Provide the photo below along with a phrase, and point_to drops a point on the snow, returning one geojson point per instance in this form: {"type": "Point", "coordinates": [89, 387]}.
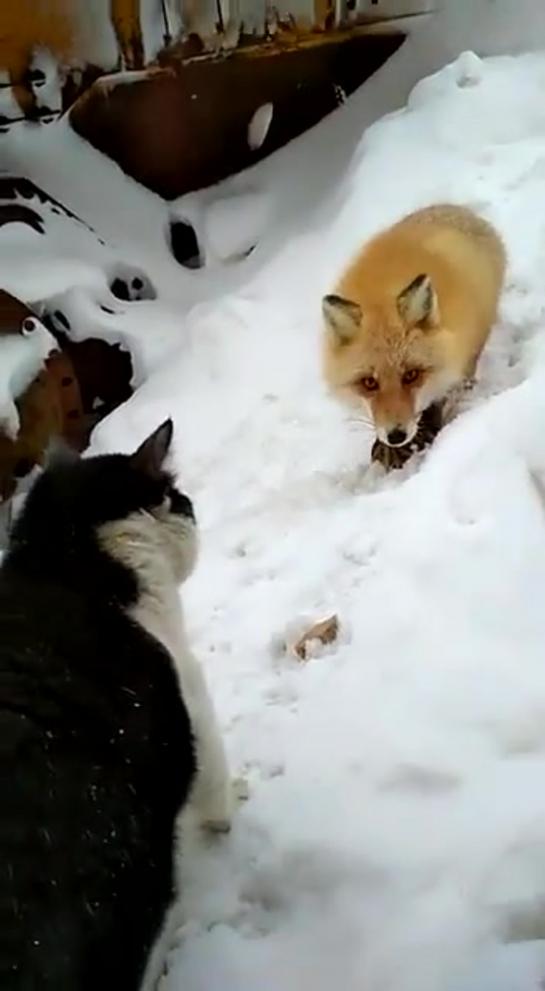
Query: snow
{"type": "Point", "coordinates": [95, 40]}
{"type": "Point", "coordinates": [34, 265]}
{"type": "Point", "coordinates": [394, 839]}
{"type": "Point", "coordinates": [234, 225]}
{"type": "Point", "coordinates": [259, 125]}
{"type": "Point", "coordinates": [511, 968]}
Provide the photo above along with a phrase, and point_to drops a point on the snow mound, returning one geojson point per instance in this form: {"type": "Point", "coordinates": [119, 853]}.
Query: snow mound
{"type": "Point", "coordinates": [233, 225]}
{"type": "Point", "coordinates": [396, 826]}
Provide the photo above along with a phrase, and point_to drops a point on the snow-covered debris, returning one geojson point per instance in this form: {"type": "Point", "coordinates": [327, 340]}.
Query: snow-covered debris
{"type": "Point", "coordinates": [468, 69]}
{"type": "Point", "coordinates": [46, 81]}
{"type": "Point", "coordinates": [21, 358]}
{"type": "Point", "coordinates": [96, 314]}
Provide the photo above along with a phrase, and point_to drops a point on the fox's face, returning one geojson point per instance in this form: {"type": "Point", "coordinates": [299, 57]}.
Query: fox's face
{"type": "Point", "coordinates": [386, 358]}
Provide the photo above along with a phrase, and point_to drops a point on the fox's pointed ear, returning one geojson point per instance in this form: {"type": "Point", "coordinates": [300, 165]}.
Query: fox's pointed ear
{"type": "Point", "coordinates": [150, 456]}
{"type": "Point", "coordinates": [418, 304]}
{"type": "Point", "coordinates": [342, 317]}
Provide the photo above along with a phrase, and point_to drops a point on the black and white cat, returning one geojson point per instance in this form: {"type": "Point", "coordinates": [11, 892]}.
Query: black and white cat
{"type": "Point", "coordinates": [107, 730]}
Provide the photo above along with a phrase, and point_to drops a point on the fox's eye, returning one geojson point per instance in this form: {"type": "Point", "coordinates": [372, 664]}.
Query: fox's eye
{"type": "Point", "coordinates": [369, 383]}
{"type": "Point", "coordinates": [410, 376]}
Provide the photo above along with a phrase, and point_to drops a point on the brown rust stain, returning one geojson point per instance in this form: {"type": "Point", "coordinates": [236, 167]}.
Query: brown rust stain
{"type": "Point", "coordinates": [50, 407]}
{"type": "Point", "coordinates": [12, 313]}
{"type": "Point", "coordinates": [104, 372]}
{"type": "Point", "coordinates": [26, 25]}
{"type": "Point", "coordinates": [324, 14]}
{"type": "Point", "coordinates": [297, 36]}
{"type": "Point", "coordinates": [125, 17]}
{"type": "Point", "coordinates": [29, 24]}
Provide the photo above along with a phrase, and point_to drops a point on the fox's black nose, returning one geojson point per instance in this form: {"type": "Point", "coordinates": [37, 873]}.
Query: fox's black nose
{"type": "Point", "coordinates": [397, 436]}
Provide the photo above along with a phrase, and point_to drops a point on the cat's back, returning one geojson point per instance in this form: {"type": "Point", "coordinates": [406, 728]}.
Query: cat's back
{"type": "Point", "coordinates": [95, 761]}
{"type": "Point", "coordinates": [97, 755]}
{"type": "Point", "coordinates": [68, 663]}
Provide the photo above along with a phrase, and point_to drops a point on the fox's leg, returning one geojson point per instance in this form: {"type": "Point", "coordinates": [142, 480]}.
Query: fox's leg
{"type": "Point", "coordinates": [431, 421]}
{"type": "Point", "coordinates": [469, 377]}
{"type": "Point", "coordinates": [457, 393]}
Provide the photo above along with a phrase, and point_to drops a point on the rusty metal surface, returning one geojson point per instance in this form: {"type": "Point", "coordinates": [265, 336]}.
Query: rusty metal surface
{"type": "Point", "coordinates": [62, 398]}
{"type": "Point", "coordinates": [44, 412]}
{"type": "Point", "coordinates": [187, 126]}
{"type": "Point", "coordinates": [125, 17]}
{"type": "Point", "coordinates": [51, 50]}
{"type": "Point", "coordinates": [233, 19]}
{"type": "Point", "coordinates": [51, 405]}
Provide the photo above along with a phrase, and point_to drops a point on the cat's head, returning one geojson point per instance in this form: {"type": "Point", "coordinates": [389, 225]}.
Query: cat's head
{"type": "Point", "coordinates": [129, 502]}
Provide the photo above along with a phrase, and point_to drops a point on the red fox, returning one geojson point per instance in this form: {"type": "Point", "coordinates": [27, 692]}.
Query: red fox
{"type": "Point", "coordinates": [410, 316]}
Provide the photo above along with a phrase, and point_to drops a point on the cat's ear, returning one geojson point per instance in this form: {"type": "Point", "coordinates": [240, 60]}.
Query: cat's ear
{"type": "Point", "coordinates": [58, 453]}
{"type": "Point", "coordinates": [151, 455]}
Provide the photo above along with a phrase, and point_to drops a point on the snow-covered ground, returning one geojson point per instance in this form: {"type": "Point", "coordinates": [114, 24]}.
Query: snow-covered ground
{"type": "Point", "coordinates": [394, 839]}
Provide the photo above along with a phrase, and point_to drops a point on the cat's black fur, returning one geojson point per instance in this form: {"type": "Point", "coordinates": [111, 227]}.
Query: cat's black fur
{"type": "Point", "coordinates": [96, 750]}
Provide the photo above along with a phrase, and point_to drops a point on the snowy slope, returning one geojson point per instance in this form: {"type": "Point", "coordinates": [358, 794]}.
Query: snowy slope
{"type": "Point", "coordinates": [395, 834]}
{"type": "Point", "coordinates": [397, 821]}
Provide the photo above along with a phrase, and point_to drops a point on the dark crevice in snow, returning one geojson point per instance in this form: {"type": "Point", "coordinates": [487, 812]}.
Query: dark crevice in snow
{"type": "Point", "coordinates": [131, 286]}
{"type": "Point", "coordinates": [19, 187]}
{"type": "Point", "coordinates": [120, 289]}
{"type": "Point", "coordinates": [184, 244]}
{"type": "Point", "coordinates": [17, 213]}
{"type": "Point", "coordinates": [62, 319]}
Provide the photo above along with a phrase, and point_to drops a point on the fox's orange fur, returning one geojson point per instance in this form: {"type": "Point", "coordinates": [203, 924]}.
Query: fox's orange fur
{"type": "Point", "coordinates": [410, 316]}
